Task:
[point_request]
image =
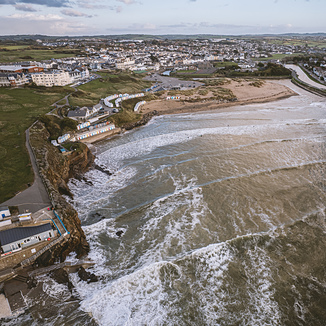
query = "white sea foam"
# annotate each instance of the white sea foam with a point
(131, 300)
(260, 290)
(54, 289)
(113, 158)
(90, 197)
(175, 231)
(141, 298)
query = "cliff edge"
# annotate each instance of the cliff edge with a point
(55, 170)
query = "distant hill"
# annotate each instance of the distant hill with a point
(34, 37)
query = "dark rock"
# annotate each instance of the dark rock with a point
(31, 283)
(144, 120)
(119, 233)
(61, 277)
(86, 276)
(99, 168)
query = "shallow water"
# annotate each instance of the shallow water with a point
(223, 219)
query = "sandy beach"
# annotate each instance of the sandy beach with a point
(244, 91)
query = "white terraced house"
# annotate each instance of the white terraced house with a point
(49, 79)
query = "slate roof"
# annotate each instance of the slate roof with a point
(15, 234)
(79, 112)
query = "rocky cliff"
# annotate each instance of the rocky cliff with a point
(55, 170)
(145, 119)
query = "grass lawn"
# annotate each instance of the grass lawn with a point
(278, 56)
(185, 71)
(14, 47)
(124, 82)
(224, 64)
(89, 94)
(19, 109)
(299, 42)
(20, 53)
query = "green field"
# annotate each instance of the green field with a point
(89, 94)
(298, 42)
(278, 56)
(14, 47)
(224, 64)
(19, 109)
(21, 53)
(124, 82)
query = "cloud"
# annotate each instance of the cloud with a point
(30, 23)
(74, 13)
(48, 3)
(88, 5)
(25, 7)
(128, 2)
(34, 17)
(135, 28)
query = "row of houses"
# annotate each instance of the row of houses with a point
(13, 79)
(320, 72)
(59, 78)
(14, 76)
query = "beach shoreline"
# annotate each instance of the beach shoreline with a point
(245, 93)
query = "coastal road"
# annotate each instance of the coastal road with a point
(35, 197)
(302, 76)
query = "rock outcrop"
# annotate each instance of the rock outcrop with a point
(145, 119)
(55, 170)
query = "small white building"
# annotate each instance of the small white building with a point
(4, 212)
(79, 113)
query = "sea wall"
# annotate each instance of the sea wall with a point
(55, 170)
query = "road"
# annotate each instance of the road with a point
(302, 76)
(35, 197)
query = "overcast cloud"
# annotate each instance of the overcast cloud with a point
(220, 17)
(25, 7)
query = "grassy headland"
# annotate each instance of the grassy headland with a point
(109, 84)
(19, 109)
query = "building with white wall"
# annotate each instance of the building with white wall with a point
(53, 78)
(13, 80)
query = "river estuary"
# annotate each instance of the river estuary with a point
(222, 220)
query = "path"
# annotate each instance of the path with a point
(35, 197)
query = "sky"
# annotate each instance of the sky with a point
(218, 17)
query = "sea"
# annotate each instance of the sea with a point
(212, 218)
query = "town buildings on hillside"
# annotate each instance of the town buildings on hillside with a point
(153, 55)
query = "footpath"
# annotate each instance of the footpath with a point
(35, 197)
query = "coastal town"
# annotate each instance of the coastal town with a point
(168, 76)
(195, 57)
